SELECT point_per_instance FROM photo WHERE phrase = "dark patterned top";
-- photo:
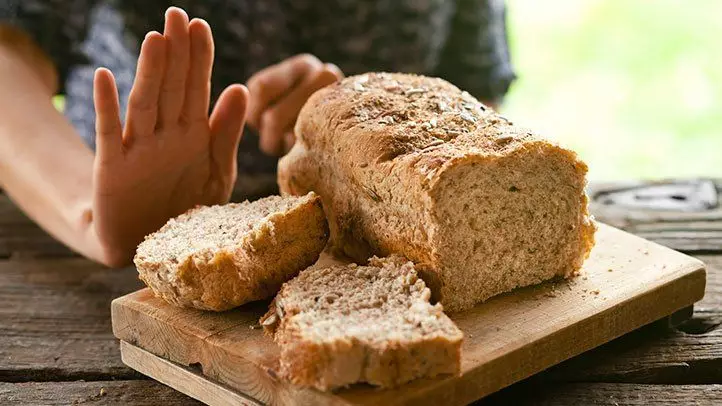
(463, 41)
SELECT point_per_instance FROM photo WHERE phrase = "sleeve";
(476, 53)
(56, 27)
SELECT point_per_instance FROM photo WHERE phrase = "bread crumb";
(467, 117)
(103, 392)
(414, 91)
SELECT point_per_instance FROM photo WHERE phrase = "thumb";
(227, 121)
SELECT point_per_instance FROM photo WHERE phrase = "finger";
(280, 118)
(334, 69)
(288, 140)
(268, 85)
(199, 74)
(177, 60)
(108, 133)
(226, 124)
(143, 100)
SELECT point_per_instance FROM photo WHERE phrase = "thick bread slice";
(412, 165)
(341, 325)
(219, 257)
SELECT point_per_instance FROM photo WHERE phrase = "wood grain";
(530, 392)
(691, 353)
(507, 339)
(133, 392)
(55, 320)
(695, 226)
(183, 379)
(612, 394)
(61, 310)
(21, 238)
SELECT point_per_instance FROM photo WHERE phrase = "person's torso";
(358, 36)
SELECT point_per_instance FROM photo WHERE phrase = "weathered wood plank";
(20, 237)
(614, 394)
(184, 379)
(151, 393)
(52, 312)
(55, 320)
(128, 392)
(530, 392)
(684, 215)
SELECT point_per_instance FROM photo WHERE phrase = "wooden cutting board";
(223, 358)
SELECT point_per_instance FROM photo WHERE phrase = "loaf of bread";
(341, 325)
(412, 165)
(219, 257)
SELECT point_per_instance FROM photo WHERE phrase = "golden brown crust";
(272, 253)
(379, 149)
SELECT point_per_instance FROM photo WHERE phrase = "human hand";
(170, 156)
(277, 94)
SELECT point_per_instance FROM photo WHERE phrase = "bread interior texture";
(508, 222)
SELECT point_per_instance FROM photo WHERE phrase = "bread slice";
(219, 257)
(412, 165)
(341, 325)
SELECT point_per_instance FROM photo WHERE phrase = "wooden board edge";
(465, 391)
(687, 287)
(181, 378)
(176, 345)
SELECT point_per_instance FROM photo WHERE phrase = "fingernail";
(177, 10)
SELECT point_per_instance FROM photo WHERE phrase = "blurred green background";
(633, 86)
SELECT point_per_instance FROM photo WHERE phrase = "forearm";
(44, 166)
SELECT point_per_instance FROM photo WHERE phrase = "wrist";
(96, 247)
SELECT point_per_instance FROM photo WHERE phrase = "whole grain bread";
(412, 165)
(219, 257)
(347, 324)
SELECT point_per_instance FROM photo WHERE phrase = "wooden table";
(56, 344)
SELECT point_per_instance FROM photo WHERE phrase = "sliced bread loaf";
(412, 165)
(219, 257)
(341, 325)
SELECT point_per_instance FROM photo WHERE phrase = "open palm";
(171, 155)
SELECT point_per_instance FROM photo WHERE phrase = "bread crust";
(274, 251)
(380, 147)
